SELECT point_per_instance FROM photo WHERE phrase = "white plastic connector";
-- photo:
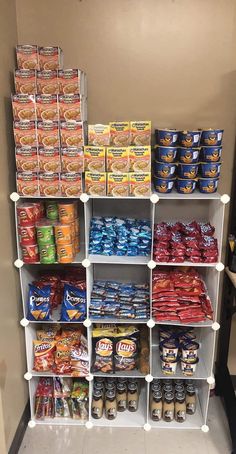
(28, 376)
(89, 425)
(87, 323)
(211, 380)
(84, 198)
(150, 323)
(151, 264)
(205, 428)
(86, 263)
(220, 266)
(89, 377)
(154, 198)
(14, 197)
(31, 424)
(18, 263)
(148, 378)
(215, 326)
(24, 322)
(147, 427)
(225, 198)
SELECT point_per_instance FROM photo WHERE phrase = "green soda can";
(52, 210)
(45, 234)
(47, 253)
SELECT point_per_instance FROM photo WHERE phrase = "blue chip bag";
(39, 303)
(73, 304)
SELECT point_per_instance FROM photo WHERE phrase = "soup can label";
(45, 234)
(27, 235)
(47, 253)
(26, 215)
(30, 254)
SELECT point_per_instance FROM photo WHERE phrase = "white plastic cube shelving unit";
(157, 208)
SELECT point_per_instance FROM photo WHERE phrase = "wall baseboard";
(20, 431)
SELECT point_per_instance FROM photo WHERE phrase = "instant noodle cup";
(52, 210)
(47, 253)
(189, 138)
(50, 58)
(95, 183)
(210, 169)
(25, 214)
(166, 137)
(25, 133)
(27, 235)
(27, 184)
(211, 154)
(164, 169)
(120, 133)
(94, 159)
(117, 184)
(117, 159)
(208, 185)
(47, 107)
(71, 184)
(188, 369)
(187, 170)
(65, 253)
(140, 159)
(72, 134)
(168, 367)
(47, 82)
(27, 56)
(163, 185)
(188, 155)
(27, 159)
(170, 350)
(49, 159)
(72, 159)
(165, 154)
(140, 132)
(25, 81)
(49, 184)
(23, 107)
(45, 233)
(140, 184)
(190, 352)
(70, 107)
(99, 135)
(185, 185)
(30, 253)
(70, 81)
(67, 212)
(211, 137)
(48, 134)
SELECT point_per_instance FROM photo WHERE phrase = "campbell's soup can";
(30, 254)
(27, 235)
(26, 214)
(65, 253)
(37, 210)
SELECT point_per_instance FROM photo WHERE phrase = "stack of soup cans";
(187, 159)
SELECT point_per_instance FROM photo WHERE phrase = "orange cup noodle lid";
(95, 183)
(99, 135)
(47, 82)
(70, 81)
(49, 160)
(117, 184)
(25, 133)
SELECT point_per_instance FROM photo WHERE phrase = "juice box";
(72, 160)
(27, 184)
(94, 159)
(50, 58)
(69, 81)
(120, 133)
(27, 56)
(71, 184)
(25, 133)
(49, 184)
(25, 81)
(47, 82)
(140, 159)
(23, 107)
(48, 134)
(47, 107)
(69, 107)
(117, 159)
(140, 184)
(140, 132)
(95, 183)
(118, 184)
(72, 134)
(99, 135)
(49, 160)
(27, 159)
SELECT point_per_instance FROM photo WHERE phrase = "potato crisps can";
(47, 253)
(45, 234)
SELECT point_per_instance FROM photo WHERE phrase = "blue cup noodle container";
(185, 186)
(189, 138)
(188, 155)
(166, 137)
(208, 185)
(164, 169)
(163, 185)
(211, 137)
(211, 154)
(187, 170)
(210, 169)
(165, 154)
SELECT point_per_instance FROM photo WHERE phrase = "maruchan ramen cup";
(189, 138)
(52, 210)
(188, 369)
(70, 107)
(30, 254)
(72, 134)
(27, 159)
(63, 233)
(99, 135)
(45, 233)
(117, 159)
(27, 235)
(140, 184)
(70, 81)
(65, 253)
(47, 82)
(48, 134)
(72, 160)
(95, 183)
(23, 107)
(71, 184)
(94, 159)
(50, 58)
(140, 159)
(140, 133)
(47, 107)
(67, 212)
(118, 184)
(47, 253)
(25, 81)
(49, 184)
(49, 159)
(27, 56)
(120, 133)
(168, 367)
(27, 184)
(25, 133)
(25, 214)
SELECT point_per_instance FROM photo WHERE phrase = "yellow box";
(140, 184)
(118, 184)
(95, 183)
(140, 132)
(117, 159)
(94, 159)
(99, 135)
(120, 133)
(140, 159)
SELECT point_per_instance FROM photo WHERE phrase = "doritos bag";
(73, 304)
(39, 303)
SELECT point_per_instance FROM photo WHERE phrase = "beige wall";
(12, 352)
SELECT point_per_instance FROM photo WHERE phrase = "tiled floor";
(77, 440)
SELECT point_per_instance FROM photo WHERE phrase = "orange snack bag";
(49, 160)
(47, 107)
(25, 81)
(44, 352)
(50, 58)
(27, 56)
(27, 159)
(48, 134)
(47, 82)
(25, 133)
(23, 107)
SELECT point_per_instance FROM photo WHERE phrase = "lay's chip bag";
(39, 303)
(74, 304)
